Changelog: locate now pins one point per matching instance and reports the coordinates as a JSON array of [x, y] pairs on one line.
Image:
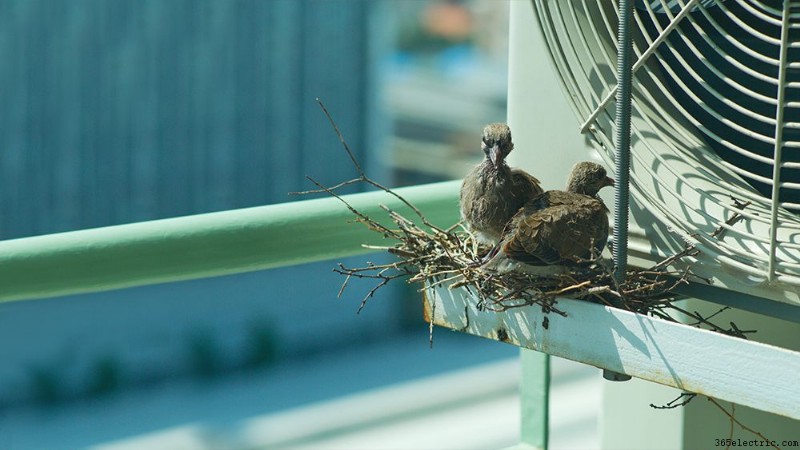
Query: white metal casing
[[681, 187]]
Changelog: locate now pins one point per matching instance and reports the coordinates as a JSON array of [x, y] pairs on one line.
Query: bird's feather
[[490, 198], [557, 227]]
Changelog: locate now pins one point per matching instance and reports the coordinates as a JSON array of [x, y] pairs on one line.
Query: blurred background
[[116, 111]]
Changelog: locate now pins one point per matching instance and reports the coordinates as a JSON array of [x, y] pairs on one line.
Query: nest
[[428, 256]]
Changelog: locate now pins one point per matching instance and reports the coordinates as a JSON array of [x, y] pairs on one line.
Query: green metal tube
[[535, 398], [207, 245]]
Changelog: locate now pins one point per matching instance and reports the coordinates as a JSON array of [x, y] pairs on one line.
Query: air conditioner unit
[[715, 126]]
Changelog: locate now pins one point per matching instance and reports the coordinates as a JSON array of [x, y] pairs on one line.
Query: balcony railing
[[205, 245]]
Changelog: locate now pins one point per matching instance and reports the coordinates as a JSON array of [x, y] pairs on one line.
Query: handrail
[[206, 245]]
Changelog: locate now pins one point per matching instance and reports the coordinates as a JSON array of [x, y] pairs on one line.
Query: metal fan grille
[[716, 117]]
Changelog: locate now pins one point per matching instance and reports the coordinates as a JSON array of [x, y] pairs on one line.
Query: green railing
[[206, 245]]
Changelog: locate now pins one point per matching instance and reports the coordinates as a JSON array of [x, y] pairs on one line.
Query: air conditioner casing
[[682, 191]]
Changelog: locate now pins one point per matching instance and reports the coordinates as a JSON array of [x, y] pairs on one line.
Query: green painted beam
[[535, 398], [206, 245]]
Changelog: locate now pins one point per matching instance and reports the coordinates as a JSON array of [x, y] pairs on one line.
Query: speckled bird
[[492, 192]]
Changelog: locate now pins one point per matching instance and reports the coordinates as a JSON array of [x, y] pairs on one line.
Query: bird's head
[[496, 143], [588, 178]]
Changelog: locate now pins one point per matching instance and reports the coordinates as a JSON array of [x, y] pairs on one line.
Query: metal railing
[[206, 245]]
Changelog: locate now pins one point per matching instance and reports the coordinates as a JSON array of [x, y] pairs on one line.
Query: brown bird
[[562, 228], [493, 192]]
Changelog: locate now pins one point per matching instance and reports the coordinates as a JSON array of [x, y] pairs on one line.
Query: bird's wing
[[558, 234], [470, 193], [526, 186]]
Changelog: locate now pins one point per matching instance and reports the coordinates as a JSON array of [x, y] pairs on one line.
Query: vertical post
[[534, 398], [776, 168], [622, 153], [622, 141]]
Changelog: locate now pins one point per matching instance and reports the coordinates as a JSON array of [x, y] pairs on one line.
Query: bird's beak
[[609, 182], [494, 155]]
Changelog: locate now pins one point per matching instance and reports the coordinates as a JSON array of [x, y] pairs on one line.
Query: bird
[[558, 228], [492, 192]]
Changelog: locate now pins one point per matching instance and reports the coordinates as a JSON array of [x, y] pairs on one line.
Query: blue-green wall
[[114, 111]]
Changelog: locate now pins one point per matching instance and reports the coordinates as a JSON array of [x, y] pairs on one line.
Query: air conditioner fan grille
[[716, 101]]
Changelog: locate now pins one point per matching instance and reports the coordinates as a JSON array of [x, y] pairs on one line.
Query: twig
[[733, 331], [362, 176], [358, 213], [371, 292], [430, 324], [681, 400], [719, 233], [730, 431], [341, 137], [344, 285], [743, 426], [570, 288]]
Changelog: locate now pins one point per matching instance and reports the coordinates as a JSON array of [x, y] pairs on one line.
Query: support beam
[[749, 373]]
